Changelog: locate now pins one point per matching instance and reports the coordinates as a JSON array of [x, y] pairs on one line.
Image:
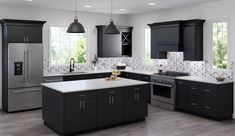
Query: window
[[64, 46], [147, 46], [220, 44]]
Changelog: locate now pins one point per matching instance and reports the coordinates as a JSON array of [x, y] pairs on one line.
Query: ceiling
[[103, 6]]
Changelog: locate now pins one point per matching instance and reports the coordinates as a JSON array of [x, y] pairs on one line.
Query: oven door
[[163, 93]]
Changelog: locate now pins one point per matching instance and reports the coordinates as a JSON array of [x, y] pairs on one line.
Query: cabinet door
[[189, 43], [195, 99], [210, 100], [111, 45], [80, 115], [109, 110], [33, 34], [181, 95], [16, 34], [135, 103]]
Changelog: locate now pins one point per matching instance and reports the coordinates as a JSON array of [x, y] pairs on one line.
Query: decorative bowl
[[220, 79]]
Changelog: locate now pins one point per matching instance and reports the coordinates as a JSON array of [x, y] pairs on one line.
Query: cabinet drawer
[[181, 82], [108, 92], [210, 111], [140, 88], [209, 98], [79, 95], [195, 107], [195, 85]]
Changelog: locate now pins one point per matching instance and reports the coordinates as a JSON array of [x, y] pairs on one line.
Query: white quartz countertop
[[204, 80], [95, 72], [92, 84]]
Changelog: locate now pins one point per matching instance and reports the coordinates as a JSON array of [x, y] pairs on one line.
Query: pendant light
[[111, 28], [75, 27]]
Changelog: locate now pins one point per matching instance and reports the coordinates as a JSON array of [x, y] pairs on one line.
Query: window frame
[[227, 20], [49, 48], [143, 52]]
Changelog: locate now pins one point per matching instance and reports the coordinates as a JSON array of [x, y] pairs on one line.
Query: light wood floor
[[159, 123]]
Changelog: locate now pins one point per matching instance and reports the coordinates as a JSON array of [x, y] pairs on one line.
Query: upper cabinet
[[22, 31], [114, 45], [193, 40], [165, 37], [174, 36]]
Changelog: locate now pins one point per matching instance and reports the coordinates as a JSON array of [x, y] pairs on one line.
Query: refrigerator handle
[[28, 69], [25, 68]]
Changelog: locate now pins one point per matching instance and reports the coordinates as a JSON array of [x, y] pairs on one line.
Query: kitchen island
[[78, 106]]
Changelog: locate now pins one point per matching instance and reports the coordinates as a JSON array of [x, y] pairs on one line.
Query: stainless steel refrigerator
[[25, 74]]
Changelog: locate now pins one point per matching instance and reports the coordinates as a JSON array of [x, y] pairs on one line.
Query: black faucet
[[71, 65]]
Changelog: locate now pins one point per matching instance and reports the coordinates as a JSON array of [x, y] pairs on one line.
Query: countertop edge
[[48, 85], [203, 80], [94, 72]]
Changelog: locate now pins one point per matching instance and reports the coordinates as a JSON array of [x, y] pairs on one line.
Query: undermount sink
[[80, 72]]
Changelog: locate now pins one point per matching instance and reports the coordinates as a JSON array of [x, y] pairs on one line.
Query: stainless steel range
[[163, 89]]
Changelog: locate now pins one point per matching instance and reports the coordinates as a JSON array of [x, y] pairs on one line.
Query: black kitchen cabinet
[[114, 45], [181, 95], [23, 31], [77, 112], [165, 37], [140, 77], [85, 76], [80, 112], [195, 100], [193, 40], [136, 106], [210, 100], [109, 107], [183, 36]]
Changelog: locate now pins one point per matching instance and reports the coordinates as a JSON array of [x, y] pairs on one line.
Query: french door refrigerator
[[25, 74]]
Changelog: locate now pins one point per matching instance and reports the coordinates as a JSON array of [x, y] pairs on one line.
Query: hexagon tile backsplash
[[174, 62]]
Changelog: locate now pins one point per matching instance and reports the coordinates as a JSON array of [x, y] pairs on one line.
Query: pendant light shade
[[75, 27], [111, 28]]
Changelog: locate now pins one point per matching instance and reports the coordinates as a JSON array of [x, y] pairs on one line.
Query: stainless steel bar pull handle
[[80, 102], [207, 90], [29, 66], [25, 68], [138, 96], [83, 103], [208, 107], [110, 101], [28, 90]]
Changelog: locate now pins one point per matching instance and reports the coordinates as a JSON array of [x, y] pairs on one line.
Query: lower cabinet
[[109, 107], [135, 103], [76, 112], [140, 77], [210, 100], [80, 112], [182, 95], [80, 115]]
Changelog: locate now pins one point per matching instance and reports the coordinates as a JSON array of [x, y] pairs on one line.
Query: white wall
[[208, 11], [60, 18]]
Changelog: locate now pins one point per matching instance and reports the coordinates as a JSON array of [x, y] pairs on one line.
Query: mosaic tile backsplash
[[174, 62]]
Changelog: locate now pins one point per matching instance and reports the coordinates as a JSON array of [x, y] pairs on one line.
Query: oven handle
[[162, 84]]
